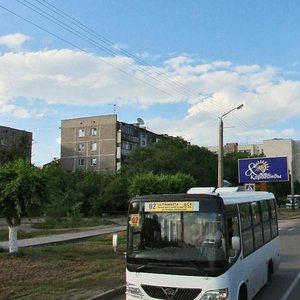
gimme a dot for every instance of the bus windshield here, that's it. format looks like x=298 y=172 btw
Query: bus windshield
x=161 y=235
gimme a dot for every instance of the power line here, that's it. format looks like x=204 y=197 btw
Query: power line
x=112 y=44
x=109 y=48
x=158 y=77
x=83 y=50
x=94 y=42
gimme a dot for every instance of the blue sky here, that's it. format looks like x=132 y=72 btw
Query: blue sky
x=179 y=65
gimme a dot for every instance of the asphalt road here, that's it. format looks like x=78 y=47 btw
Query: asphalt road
x=285 y=284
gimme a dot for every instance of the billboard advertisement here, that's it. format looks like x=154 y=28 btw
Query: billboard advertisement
x=263 y=169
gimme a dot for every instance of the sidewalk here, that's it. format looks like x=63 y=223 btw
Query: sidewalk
x=70 y=237
x=66 y=237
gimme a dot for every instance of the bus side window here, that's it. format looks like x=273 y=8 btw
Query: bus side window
x=233 y=230
x=230 y=230
x=232 y=225
x=246 y=225
x=274 y=228
x=266 y=221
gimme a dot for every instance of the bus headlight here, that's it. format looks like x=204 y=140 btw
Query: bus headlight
x=221 y=294
x=133 y=290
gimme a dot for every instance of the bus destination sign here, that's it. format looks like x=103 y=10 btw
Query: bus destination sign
x=171 y=206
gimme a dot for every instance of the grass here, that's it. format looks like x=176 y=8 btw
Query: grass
x=68 y=271
x=71 y=223
x=287 y=213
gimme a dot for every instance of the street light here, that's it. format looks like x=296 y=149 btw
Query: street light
x=292 y=176
x=221 y=150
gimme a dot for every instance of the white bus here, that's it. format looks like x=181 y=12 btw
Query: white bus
x=211 y=245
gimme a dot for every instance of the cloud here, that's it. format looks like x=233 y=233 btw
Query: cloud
x=13 y=110
x=14 y=41
x=68 y=77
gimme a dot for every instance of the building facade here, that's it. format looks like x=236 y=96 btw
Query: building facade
x=100 y=143
x=14 y=143
x=270 y=148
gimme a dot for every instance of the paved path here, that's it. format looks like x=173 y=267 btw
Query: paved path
x=70 y=237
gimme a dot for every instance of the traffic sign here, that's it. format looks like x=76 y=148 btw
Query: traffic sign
x=249 y=187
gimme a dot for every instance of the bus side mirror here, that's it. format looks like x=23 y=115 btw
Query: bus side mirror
x=236 y=243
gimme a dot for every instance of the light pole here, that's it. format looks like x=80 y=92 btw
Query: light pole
x=221 y=150
x=292 y=176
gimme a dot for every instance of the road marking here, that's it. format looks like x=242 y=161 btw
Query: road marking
x=291 y=287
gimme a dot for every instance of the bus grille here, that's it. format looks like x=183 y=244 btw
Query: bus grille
x=167 y=293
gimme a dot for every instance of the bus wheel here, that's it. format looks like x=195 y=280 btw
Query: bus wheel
x=270 y=270
x=243 y=293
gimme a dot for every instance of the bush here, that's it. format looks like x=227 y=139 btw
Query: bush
x=160 y=184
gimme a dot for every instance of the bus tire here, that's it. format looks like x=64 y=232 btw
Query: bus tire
x=270 y=270
x=243 y=293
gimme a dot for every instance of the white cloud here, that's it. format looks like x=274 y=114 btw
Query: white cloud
x=14 y=41
x=210 y=89
x=13 y=110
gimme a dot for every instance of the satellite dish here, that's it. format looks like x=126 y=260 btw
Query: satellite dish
x=140 y=121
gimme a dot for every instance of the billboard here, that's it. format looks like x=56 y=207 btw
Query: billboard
x=263 y=169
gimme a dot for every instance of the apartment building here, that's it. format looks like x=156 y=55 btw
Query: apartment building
x=270 y=148
x=101 y=143
x=14 y=143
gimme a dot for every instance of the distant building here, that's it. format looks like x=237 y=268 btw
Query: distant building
x=14 y=143
x=101 y=143
x=270 y=148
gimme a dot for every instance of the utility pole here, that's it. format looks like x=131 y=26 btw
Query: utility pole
x=221 y=155
x=292 y=183
x=221 y=148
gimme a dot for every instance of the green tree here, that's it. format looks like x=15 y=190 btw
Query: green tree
x=23 y=188
x=231 y=166
x=170 y=156
x=116 y=194
x=150 y=183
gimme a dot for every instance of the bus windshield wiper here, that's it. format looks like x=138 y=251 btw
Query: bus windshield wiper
x=146 y=266
x=182 y=264
x=158 y=264
x=194 y=264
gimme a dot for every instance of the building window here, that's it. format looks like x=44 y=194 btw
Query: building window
x=81 y=132
x=93 y=161
x=93 y=131
x=81 y=162
x=80 y=147
x=127 y=146
x=94 y=146
x=3 y=142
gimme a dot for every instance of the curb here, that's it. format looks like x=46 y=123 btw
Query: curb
x=110 y=294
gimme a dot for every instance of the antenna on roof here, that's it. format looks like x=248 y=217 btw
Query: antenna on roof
x=140 y=121
x=114 y=107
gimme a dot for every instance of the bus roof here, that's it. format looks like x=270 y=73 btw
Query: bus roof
x=243 y=197
x=228 y=195
x=231 y=195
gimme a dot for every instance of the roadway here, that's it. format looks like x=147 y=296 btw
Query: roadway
x=285 y=283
